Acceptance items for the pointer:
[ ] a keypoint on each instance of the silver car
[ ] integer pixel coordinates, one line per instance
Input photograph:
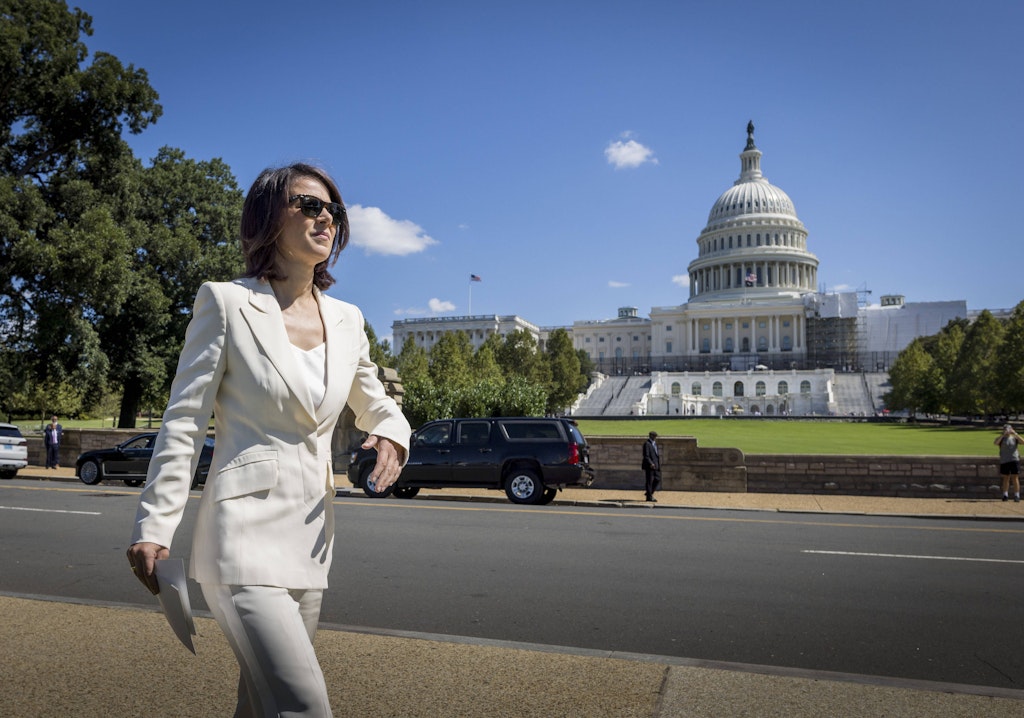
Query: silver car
(13, 451)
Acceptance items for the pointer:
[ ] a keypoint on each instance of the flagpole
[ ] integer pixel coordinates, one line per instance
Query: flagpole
(470, 297)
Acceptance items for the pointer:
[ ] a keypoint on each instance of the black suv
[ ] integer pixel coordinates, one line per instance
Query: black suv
(531, 458)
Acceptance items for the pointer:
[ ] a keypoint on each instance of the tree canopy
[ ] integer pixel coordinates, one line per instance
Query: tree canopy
(967, 369)
(100, 256)
(507, 376)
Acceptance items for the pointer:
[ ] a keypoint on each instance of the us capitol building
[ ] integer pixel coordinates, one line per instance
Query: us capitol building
(755, 336)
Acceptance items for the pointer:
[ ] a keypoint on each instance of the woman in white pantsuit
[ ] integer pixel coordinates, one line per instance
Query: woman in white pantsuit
(275, 361)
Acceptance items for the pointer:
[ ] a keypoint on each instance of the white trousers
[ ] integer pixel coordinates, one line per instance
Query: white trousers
(271, 631)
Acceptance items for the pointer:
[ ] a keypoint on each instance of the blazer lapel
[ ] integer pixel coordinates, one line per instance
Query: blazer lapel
(263, 314)
(333, 318)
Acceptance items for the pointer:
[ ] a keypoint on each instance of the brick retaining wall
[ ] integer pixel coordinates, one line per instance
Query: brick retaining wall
(962, 477)
(689, 467)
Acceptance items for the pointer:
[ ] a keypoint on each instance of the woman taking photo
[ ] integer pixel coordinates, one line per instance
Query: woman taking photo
(275, 361)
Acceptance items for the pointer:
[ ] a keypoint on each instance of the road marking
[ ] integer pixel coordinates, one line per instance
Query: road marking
(900, 555)
(986, 527)
(52, 511)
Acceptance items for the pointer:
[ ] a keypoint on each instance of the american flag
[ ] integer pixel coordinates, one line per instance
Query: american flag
(474, 278)
(751, 279)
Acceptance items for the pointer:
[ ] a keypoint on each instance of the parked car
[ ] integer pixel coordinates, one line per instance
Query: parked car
(13, 451)
(129, 461)
(531, 458)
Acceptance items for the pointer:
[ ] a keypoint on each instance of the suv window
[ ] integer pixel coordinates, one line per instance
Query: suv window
(574, 432)
(523, 430)
(435, 435)
(12, 431)
(474, 433)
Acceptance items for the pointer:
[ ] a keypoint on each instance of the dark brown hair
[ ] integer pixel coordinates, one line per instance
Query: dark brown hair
(261, 221)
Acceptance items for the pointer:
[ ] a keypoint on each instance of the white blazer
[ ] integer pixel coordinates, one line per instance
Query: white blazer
(266, 515)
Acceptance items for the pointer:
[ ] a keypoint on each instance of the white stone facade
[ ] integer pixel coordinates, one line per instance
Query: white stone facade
(427, 330)
(754, 392)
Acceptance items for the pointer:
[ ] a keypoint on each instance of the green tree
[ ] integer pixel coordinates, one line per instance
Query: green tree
(944, 349)
(518, 356)
(450, 360)
(912, 378)
(973, 381)
(412, 363)
(380, 351)
(185, 223)
(564, 364)
(1010, 365)
(105, 255)
(484, 366)
(587, 365)
(521, 398)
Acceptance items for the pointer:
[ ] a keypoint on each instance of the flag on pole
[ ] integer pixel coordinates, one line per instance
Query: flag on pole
(751, 279)
(474, 278)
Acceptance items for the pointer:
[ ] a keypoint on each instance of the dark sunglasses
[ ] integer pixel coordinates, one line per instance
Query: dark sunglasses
(312, 207)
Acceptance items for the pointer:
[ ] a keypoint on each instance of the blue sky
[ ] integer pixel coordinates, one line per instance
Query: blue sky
(568, 152)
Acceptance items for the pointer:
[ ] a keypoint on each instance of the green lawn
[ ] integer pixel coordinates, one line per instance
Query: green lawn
(764, 436)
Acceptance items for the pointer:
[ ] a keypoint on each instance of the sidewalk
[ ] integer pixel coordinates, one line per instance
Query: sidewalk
(74, 659)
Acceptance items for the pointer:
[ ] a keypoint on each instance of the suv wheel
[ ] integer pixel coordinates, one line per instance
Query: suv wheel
(91, 472)
(133, 482)
(548, 496)
(522, 486)
(406, 492)
(364, 477)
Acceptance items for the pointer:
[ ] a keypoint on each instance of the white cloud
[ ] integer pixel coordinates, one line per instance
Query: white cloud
(842, 288)
(682, 280)
(616, 285)
(628, 153)
(439, 306)
(377, 233)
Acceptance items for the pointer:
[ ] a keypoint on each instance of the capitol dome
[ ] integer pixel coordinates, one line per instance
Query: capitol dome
(754, 196)
(754, 245)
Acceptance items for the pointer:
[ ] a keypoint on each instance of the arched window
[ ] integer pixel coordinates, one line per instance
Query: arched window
(805, 387)
(716, 388)
(676, 389)
(759, 388)
(783, 388)
(618, 352)
(737, 389)
(705, 346)
(695, 388)
(762, 344)
(787, 343)
(728, 344)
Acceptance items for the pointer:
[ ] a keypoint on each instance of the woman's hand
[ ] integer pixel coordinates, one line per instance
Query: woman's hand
(390, 457)
(142, 558)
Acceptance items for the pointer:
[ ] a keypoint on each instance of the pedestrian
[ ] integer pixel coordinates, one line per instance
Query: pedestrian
(276, 361)
(53, 435)
(1009, 461)
(651, 467)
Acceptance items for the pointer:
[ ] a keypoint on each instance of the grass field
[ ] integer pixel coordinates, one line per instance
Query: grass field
(762, 436)
(765, 436)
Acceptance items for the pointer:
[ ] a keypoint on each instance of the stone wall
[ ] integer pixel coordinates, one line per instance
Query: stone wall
(963, 477)
(685, 466)
(688, 467)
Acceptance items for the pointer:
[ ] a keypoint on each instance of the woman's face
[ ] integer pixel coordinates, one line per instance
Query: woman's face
(305, 241)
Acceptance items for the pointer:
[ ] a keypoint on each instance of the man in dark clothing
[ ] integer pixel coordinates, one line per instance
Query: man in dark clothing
(652, 467)
(52, 436)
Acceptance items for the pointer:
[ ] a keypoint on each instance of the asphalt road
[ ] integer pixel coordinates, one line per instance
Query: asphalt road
(929, 599)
